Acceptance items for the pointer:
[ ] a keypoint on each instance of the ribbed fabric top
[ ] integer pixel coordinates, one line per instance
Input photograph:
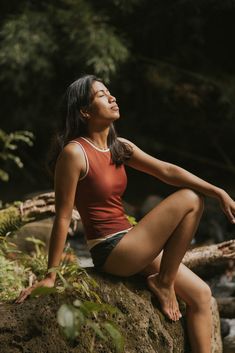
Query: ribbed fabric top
(99, 192)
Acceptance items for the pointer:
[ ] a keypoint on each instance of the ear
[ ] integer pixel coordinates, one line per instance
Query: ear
(85, 113)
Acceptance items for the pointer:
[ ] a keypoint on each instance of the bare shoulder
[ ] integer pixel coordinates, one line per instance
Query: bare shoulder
(72, 155)
(144, 162)
(124, 140)
(73, 150)
(136, 150)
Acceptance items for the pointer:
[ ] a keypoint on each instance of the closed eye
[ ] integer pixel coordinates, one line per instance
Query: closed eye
(103, 93)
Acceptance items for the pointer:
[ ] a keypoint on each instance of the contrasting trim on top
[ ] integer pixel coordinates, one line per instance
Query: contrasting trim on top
(92, 242)
(86, 158)
(97, 148)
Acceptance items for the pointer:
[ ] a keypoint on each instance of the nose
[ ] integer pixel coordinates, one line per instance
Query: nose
(112, 98)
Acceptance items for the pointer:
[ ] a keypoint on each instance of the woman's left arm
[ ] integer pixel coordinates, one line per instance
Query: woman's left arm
(177, 176)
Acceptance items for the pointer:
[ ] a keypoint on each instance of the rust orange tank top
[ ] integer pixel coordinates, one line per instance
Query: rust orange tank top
(99, 192)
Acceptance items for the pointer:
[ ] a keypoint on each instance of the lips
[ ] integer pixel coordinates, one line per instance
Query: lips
(115, 107)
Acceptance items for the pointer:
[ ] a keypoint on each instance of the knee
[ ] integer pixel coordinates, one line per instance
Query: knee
(196, 200)
(202, 297)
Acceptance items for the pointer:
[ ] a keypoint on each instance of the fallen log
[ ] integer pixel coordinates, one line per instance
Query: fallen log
(211, 259)
(38, 207)
(226, 307)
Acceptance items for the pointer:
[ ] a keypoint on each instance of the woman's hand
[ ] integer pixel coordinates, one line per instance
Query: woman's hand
(46, 282)
(228, 206)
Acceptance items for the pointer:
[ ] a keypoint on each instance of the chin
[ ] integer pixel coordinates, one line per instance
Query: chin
(114, 118)
(117, 116)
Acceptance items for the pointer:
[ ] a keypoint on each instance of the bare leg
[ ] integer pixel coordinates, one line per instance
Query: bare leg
(197, 296)
(169, 226)
(169, 265)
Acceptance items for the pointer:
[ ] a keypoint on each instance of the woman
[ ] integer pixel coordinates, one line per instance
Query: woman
(90, 174)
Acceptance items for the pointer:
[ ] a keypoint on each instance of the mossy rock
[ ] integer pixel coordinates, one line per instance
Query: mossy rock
(31, 327)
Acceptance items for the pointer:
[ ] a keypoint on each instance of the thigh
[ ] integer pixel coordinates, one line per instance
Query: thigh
(141, 245)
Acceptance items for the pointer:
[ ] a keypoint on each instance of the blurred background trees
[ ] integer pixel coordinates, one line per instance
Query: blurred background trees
(169, 63)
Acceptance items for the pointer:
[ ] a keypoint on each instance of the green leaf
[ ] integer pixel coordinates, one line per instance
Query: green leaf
(42, 291)
(96, 328)
(67, 320)
(92, 306)
(77, 303)
(132, 220)
(35, 241)
(115, 334)
(60, 289)
(80, 317)
(4, 176)
(65, 315)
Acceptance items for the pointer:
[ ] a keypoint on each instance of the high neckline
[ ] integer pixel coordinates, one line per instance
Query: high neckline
(94, 145)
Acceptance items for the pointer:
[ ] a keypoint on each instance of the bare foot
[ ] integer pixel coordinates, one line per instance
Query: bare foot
(166, 296)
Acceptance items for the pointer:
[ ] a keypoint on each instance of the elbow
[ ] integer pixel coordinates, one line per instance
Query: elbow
(170, 174)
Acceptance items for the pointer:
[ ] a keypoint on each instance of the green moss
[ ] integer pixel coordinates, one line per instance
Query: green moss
(10, 219)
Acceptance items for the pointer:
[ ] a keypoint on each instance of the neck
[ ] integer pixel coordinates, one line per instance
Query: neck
(99, 138)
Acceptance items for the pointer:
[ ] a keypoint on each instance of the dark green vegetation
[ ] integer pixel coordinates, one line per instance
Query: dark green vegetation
(169, 63)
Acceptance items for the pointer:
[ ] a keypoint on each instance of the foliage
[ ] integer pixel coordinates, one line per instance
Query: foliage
(132, 220)
(86, 312)
(92, 38)
(127, 5)
(8, 146)
(13, 275)
(19, 269)
(10, 219)
(94, 317)
(170, 64)
(25, 49)
(31, 40)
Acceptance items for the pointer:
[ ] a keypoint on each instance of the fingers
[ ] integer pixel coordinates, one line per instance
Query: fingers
(24, 294)
(228, 206)
(47, 282)
(230, 214)
(231, 217)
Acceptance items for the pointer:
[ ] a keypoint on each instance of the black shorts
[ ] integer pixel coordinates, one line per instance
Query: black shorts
(101, 251)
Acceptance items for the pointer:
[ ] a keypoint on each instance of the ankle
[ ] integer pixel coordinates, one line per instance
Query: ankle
(165, 280)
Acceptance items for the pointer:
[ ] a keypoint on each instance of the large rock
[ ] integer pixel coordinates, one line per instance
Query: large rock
(32, 328)
(229, 340)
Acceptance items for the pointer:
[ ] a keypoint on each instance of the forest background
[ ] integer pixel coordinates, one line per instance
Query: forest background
(170, 64)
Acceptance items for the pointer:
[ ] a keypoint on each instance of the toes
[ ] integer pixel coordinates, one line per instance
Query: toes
(167, 311)
(179, 314)
(169, 314)
(175, 315)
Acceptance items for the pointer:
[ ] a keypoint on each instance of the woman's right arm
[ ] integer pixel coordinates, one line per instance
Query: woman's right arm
(70, 164)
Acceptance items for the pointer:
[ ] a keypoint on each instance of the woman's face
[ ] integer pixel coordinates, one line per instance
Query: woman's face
(103, 105)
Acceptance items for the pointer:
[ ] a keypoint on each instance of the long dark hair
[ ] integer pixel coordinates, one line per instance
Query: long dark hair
(79, 97)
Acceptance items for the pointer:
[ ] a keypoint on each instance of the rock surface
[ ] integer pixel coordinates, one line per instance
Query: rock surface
(32, 328)
(229, 341)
